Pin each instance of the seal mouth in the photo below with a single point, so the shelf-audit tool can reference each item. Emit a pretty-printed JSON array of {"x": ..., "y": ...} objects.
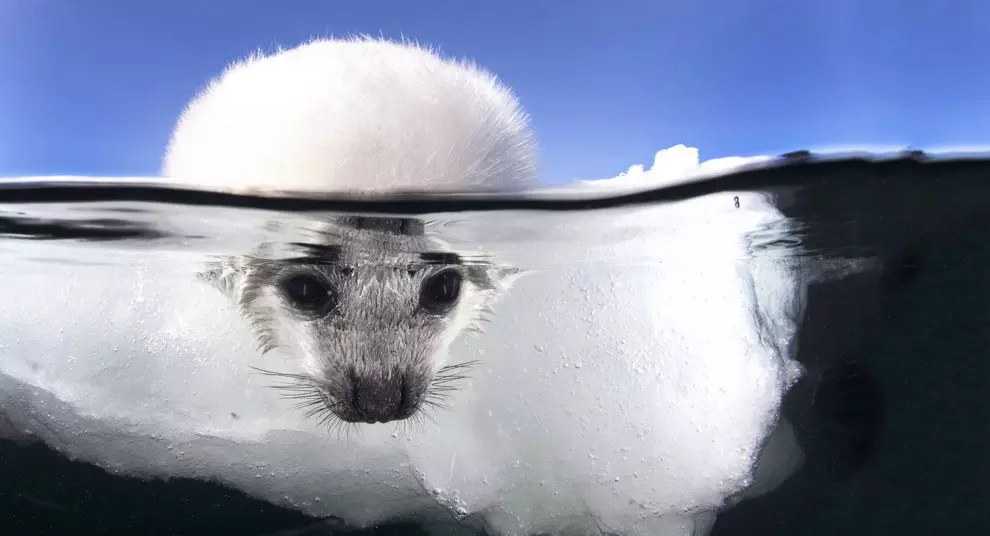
[{"x": 360, "y": 399}]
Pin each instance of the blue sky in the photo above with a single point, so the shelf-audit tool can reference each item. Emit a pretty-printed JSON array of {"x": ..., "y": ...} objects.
[{"x": 92, "y": 87}]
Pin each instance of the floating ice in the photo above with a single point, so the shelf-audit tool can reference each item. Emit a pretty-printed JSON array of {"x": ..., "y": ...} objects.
[{"x": 626, "y": 384}]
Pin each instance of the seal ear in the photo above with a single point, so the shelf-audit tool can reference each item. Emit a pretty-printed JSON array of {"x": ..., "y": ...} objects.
[
  {"x": 495, "y": 281},
  {"x": 223, "y": 275},
  {"x": 504, "y": 277}
]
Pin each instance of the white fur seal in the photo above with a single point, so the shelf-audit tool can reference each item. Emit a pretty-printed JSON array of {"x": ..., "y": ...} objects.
[
  {"x": 371, "y": 305},
  {"x": 357, "y": 116}
]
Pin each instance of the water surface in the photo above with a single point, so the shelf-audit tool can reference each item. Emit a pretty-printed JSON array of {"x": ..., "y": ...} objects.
[{"x": 820, "y": 322}]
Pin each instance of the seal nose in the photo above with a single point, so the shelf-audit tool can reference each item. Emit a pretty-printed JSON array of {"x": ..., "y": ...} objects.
[{"x": 380, "y": 398}]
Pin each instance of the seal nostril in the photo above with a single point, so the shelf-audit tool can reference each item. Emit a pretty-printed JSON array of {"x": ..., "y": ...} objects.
[
  {"x": 403, "y": 396},
  {"x": 375, "y": 398},
  {"x": 352, "y": 385}
]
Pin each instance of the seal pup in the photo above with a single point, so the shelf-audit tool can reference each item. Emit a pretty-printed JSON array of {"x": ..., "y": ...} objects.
[{"x": 370, "y": 305}]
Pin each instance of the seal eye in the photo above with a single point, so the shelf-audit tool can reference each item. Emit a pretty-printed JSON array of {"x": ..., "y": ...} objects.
[
  {"x": 307, "y": 292},
  {"x": 440, "y": 291}
]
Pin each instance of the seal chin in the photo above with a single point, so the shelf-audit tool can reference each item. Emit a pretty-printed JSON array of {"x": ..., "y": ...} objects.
[
  {"x": 355, "y": 417},
  {"x": 378, "y": 398}
]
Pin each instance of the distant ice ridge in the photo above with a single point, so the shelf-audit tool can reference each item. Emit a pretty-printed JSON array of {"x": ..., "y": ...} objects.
[
  {"x": 678, "y": 163},
  {"x": 673, "y": 165},
  {"x": 626, "y": 389}
]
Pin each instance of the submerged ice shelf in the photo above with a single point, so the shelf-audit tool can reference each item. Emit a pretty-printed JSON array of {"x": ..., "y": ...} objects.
[{"x": 627, "y": 384}]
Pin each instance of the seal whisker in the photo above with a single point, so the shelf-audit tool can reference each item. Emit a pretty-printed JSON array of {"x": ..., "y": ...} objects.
[
  {"x": 457, "y": 366},
  {"x": 289, "y": 375}
]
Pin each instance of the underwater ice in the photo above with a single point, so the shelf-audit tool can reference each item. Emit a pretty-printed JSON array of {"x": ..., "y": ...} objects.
[{"x": 627, "y": 389}]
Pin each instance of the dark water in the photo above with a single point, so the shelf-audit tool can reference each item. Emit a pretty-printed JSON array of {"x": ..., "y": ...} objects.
[{"x": 891, "y": 413}]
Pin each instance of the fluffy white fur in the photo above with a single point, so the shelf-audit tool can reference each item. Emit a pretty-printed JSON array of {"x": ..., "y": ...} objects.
[{"x": 356, "y": 116}]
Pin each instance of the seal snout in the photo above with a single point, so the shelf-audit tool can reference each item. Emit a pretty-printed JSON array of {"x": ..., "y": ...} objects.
[{"x": 375, "y": 398}]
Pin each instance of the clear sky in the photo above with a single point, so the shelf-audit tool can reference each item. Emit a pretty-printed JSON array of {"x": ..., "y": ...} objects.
[{"x": 92, "y": 87}]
